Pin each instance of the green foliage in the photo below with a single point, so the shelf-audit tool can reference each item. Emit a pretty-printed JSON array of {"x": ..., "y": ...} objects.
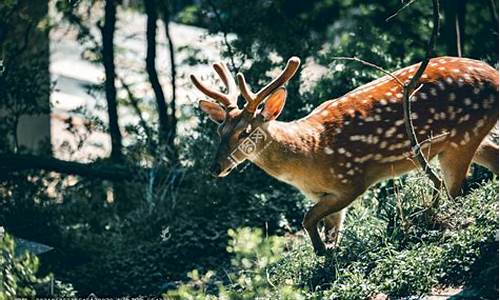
[
  {"x": 253, "y": 255},
  {"x": 370, "y": 260},
  {"x": 145, "y": 241},
  {"x": 19, "y": 276}
]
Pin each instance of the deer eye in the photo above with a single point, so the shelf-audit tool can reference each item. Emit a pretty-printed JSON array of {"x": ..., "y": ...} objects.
[{"x": 245, "y": 132}]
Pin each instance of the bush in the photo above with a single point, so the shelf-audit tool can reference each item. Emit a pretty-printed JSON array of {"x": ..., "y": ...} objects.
[
  {"x": 19, "y": 276},
  {"x": 371, "y": 258}
]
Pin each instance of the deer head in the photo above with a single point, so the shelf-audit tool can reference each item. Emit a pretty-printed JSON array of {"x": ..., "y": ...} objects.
[{"x": 239, "y": 130}]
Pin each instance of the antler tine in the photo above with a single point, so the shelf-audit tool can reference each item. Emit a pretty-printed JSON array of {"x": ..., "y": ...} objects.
[
  {"x": 244, "y": 89},
  {"x": 224, "y": 73},
  {"x": 253, "y": 100},
  {"x": 291, "y": 67},
  {"x": 216, "y": 95}
]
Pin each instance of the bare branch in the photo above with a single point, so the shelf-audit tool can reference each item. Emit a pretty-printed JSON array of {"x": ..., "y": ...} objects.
[
  {"x": 408, "y": 90},
  {"x": 218, "y": 18},
  {"x": 400, "y": 10},
  {"x": 369, "y": 64},
  {"x": 135, "y": 105}
]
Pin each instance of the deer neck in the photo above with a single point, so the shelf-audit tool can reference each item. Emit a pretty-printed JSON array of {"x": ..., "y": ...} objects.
[{"x": 288, "y": 146}]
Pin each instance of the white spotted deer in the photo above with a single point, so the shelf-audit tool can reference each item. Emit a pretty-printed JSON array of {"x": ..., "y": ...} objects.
[{"x": 348, "y": 144}]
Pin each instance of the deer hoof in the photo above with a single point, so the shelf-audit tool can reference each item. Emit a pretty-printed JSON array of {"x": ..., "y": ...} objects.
[{"x": 320, "y": 250}]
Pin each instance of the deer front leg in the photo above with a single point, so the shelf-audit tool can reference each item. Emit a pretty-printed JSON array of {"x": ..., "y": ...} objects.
[
  {"x": 326, "y": 206},
  {"x": 333, "y": 228}
]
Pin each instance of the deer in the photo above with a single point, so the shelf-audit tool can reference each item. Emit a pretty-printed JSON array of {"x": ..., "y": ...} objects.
[{"x": 345, "y": 145}]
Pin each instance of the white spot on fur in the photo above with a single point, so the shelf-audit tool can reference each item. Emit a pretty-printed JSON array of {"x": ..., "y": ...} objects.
[
  {"x": 328, "y": 150},
  {"x": 390, "y": 131}
]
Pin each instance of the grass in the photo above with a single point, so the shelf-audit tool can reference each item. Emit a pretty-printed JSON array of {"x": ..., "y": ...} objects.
[{"x": 391, "y": 245}]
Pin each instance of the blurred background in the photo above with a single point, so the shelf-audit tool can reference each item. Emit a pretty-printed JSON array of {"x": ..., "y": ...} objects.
[{"x": 104, "y": 184}]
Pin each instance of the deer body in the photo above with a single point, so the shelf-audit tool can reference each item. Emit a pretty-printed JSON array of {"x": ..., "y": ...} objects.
[{"x": 348, "y": 144}]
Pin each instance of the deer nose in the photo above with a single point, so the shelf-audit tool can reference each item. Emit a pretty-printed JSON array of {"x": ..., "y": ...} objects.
[{"x": 215, "y": 169}]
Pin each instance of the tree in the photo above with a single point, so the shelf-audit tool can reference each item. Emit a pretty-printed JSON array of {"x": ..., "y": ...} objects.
[{"x": 108, "y": 57}]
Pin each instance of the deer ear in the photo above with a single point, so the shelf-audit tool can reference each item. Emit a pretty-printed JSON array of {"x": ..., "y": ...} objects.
[
  {"x": 274, "y": 104},
  {"x": 215, "y": 112}
]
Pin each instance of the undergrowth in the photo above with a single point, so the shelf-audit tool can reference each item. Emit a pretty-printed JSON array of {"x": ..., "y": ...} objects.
[{"x": 392, "y": 244}]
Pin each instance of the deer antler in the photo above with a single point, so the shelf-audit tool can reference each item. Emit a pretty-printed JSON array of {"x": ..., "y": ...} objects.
[
  {"x": 253, "y": 100},
  {"x": 228, "y": 100}
]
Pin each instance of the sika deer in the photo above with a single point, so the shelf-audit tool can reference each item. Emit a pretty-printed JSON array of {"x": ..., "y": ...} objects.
[{"x": 348, "y": 144}]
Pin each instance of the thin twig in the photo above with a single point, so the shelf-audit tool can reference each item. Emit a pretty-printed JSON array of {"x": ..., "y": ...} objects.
[
  {"x": 135, "y": 105},
  {"x": 224, "y": 34},
  {"x": 366, "y": 63},
  {"x": 400, "y": 10}
]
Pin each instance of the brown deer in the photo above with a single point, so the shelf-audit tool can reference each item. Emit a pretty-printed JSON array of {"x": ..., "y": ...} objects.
[{"x": 348, "y": 144}]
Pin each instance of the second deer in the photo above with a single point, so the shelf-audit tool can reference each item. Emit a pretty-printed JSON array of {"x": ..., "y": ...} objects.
[{"x": 348, "y": 144}]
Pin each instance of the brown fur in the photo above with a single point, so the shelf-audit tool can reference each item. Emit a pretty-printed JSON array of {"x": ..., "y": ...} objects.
[{"x": 348, "y": 144}]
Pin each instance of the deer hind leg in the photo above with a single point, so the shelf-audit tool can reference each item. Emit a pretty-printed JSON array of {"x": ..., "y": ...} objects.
[
  {"x": 334, "y": 224},
  {"x": 487, "y": 155},
  {"x": 454, "y": 164}
]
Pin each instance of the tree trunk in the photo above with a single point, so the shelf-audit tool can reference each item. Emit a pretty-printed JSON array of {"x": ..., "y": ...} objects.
[
  {"x": 161, "y": 106},
  {"x": 108, "y": 56}
]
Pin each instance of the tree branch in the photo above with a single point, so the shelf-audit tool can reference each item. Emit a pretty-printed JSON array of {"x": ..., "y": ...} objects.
[
  {"x": 173, "y": 76},
  {"x": 135, "y": 105},
  {"x": 218, "y": 18},
  {"x": 408, "y": 91},
  {"x": 19, "y": 162},
  {"x": 369, "y": 64}
]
